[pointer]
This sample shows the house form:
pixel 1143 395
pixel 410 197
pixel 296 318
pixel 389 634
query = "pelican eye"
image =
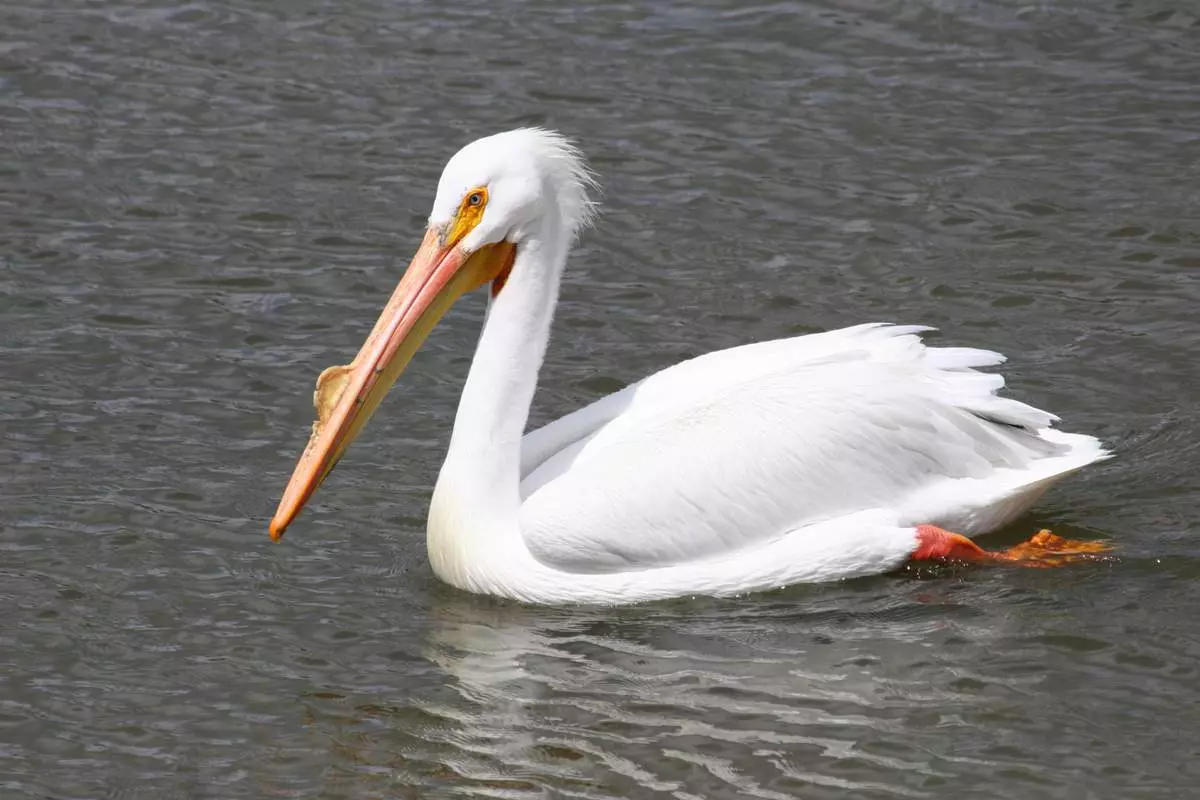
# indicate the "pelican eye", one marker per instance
pixel 475 199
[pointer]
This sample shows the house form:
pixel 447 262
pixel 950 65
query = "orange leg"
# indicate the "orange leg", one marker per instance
pixel 1043 549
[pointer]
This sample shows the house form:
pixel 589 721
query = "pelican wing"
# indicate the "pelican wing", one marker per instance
pixel 737 448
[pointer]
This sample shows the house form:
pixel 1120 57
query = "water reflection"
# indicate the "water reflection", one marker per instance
pixel 834 688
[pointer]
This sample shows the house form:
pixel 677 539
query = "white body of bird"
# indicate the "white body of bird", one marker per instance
pixel 803 459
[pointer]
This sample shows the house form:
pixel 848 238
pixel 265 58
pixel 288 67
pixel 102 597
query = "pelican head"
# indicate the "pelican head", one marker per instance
pixel 518 181
pixel 495 195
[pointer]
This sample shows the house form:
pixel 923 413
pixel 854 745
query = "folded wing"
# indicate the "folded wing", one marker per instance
pixel 737 448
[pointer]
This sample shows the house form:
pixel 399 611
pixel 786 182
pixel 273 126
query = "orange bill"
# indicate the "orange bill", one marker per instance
pixel 346 396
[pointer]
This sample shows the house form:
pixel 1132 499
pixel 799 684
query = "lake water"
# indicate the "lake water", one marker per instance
pixel 203 204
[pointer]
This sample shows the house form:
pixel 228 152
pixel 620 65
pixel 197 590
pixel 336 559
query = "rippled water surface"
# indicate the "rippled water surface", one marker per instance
pixel 202 204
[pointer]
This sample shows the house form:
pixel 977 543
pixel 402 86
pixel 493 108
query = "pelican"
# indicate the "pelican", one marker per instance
pixel 812 458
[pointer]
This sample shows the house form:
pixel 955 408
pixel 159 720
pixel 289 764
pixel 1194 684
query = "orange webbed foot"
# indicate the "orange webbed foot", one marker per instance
pixel 1043 549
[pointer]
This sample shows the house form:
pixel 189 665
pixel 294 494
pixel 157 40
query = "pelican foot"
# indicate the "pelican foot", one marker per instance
pixel 1043 549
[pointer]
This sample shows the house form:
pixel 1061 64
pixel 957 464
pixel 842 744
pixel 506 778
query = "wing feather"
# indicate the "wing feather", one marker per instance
pixel 740 447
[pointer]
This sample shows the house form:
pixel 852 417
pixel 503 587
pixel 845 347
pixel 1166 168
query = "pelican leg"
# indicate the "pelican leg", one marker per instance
pixel 939 544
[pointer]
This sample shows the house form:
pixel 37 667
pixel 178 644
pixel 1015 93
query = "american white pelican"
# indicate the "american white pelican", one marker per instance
pixel 805 459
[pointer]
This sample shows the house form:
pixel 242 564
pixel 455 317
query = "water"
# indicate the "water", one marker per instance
pixel 201 205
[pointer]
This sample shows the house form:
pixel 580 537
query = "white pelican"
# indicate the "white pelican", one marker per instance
pixel 805 459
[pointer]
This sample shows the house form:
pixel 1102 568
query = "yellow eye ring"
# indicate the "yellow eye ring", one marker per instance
pixel 470 212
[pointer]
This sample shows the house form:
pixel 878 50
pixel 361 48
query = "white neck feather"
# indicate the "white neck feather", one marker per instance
pixel 474 535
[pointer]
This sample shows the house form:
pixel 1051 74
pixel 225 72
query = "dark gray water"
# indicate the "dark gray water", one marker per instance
pixel 203 204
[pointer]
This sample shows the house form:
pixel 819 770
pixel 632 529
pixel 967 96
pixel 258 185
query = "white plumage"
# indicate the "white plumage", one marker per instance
pixel 801 431
pixel 802 459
